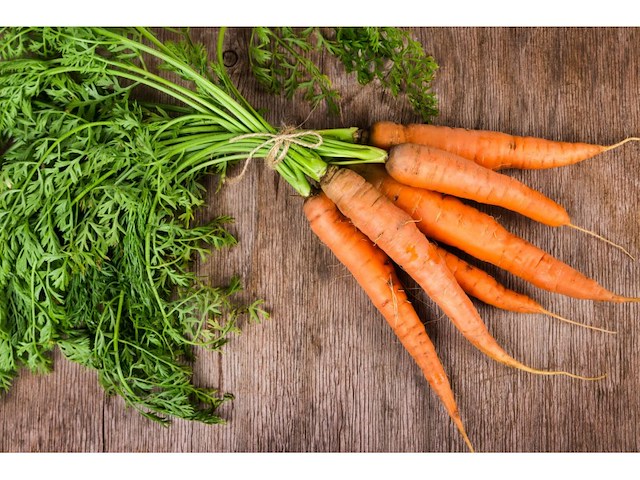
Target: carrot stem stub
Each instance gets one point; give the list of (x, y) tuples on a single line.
[(375, 273)]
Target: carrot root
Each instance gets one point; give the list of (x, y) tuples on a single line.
[(463, 433), (578, 324), (494, 150), (521, 366), (577, 377), (375, 273), (403, 242), (606, 240), (622, 142), (621, 299), (426, 167), (446, 219)]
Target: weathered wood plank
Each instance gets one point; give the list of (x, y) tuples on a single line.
[(325, 373)]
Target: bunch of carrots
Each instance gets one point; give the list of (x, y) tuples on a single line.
[(374, 218)]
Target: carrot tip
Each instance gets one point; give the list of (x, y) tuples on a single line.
[(618, 298), (600, 237), (463, 433), (568, 374), (572, 322), (469, 445), (581, 377), (556, 372), (622, 142)]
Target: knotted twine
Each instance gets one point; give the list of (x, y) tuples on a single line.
[(280, 143)]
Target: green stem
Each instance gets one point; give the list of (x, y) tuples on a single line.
[(219, 148), (231, 86), (210, 163), (191, 132), (184, 94), (157, 86), (93, 185), (308, 161), (116, 353), (32, 293), (147, 261), (349, 134), (138, 75), (337, 149), (206, 119), (219, 94), (192, 142)]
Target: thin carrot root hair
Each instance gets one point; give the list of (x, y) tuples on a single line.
[(521, 366), (622, 299), (621, 142), (572, 375), (463, 433), (578, 324), (606, 240)]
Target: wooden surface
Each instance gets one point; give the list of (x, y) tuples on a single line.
[(326, 373)]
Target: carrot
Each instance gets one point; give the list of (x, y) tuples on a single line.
[(481, 285), (375, 273), (494, 150), (448, 220), (484, 287), (434, 169), (396, 233)]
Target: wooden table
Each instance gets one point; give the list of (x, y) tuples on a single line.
[(326, 373)]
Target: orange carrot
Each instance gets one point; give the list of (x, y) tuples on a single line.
[(375, 273), (483, 286), (448, 220), (396, 233), (434, 169), (494, 150), (479, 284)]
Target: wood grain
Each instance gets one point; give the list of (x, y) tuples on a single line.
[(325, 373)]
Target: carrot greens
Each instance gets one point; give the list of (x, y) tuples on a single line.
[(98, 193), (281, 60)]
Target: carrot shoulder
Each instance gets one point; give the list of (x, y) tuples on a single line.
[(494, 150), (396, 233), (434, 169), (375, 273)]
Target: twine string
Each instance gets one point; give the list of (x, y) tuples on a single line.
[(280, 143)]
